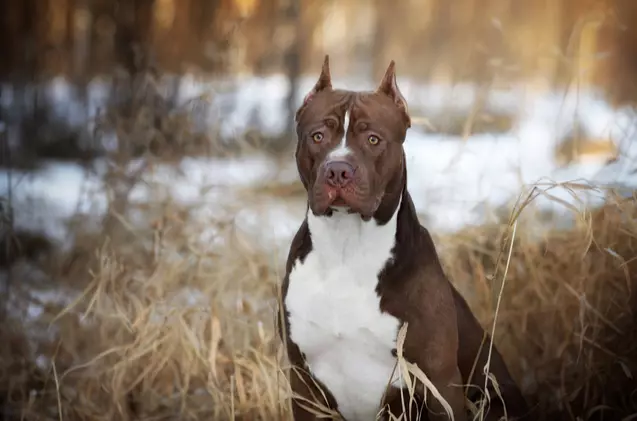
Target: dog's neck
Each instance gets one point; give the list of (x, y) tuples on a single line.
[(395, 195), (344, 237), (346, 240)]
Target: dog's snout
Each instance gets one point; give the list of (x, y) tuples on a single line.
[(339, 173)]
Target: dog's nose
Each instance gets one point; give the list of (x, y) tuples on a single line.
[(339, 173)]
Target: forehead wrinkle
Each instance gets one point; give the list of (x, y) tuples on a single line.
[(324, 104), (341, 150), (346, 103), (357, 107), (378, 109), (334, 108)]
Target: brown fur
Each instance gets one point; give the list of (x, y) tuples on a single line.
[(443, 338)]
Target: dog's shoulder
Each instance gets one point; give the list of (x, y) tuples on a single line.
[(415, 281), (299, 248)]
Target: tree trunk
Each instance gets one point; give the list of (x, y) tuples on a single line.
[(292, 60)]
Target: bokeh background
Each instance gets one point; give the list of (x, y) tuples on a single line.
[(149, 193)]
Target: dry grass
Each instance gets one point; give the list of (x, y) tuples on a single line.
[(161, 328), (166, 328), (566, 323), (163, 325)]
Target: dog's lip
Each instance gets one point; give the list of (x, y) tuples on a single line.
[(343, 209), (340, 205), (339, 202)]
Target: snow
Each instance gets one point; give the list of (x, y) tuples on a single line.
[(453, 181), (45, 200)]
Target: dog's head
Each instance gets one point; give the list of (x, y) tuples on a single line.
[(350, 146)]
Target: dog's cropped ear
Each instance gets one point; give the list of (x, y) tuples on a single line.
[(323, 83), (389, 87)]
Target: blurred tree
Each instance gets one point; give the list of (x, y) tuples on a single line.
[(134, 21), (291, 14), (622, 73)]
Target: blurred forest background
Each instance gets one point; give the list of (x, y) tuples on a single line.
[(475, 40), (148, 194), (544, 44)]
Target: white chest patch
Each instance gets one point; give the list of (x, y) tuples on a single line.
[(334, 311)]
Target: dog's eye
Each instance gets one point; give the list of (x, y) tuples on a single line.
[(373, 140), (317, 137)]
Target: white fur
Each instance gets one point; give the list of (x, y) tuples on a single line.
[(334, 311), (341, 151)]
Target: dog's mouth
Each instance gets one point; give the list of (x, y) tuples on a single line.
[(339, 203), (345, 202), (342, 209)]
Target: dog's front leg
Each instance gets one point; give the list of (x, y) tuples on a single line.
[(447, 379), (431, 343), (306, 393), (307, 398)]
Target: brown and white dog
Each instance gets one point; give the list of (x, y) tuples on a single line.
[(361, 265)]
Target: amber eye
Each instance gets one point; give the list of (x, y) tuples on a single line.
[(373, 140), (317, 137)]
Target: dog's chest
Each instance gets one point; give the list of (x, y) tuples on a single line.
[(335, 319)]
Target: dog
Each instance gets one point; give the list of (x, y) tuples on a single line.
[(361, 266)]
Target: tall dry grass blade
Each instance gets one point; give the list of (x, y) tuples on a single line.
[(497, 312), (408, 368)]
